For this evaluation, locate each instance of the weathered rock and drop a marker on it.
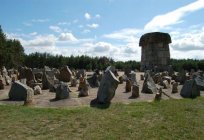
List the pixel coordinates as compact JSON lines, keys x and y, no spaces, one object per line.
{"x":158,"y":95}
{"x":149,"y":85}
{"x":23,"y":81}
{"x":8,"y":80}
{"x":181,"y":77}
{"x":82,"y":82}
{"x":157,"y":78}
{"x":128,"y":85}
{"x":120,"y":79}
{"x":135,"y":91}
{"x":84,"y":90}
{"x":20,"y":92}
{"x":1,"y":84}
{"x":174,"y":87}
{"x":190,"y":89}
{"x":141,"y":77}
{"x":127,"y":72}
{"x":74,"y":82}
{"x":111,"y":68}
{"x":62,"y":91}
{"x":165,"y":84}
{"x":80,"y":73}
{"x":168,"y":78}
{"x":107,"y":88}
{"x":65,"y":74}
{"x":199,"y":79}
{"x":93,"y":81}
{"x":38,"y":76}
{"x":37,"y":90}
{"x":26,"y":73}
{"x":48,"y":78}
{"x":170,"y":70}
{"x":4,"y":71}
{"x":133,"y":78}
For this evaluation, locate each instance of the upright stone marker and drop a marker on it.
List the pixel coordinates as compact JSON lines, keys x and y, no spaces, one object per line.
{"x":107,"y":88}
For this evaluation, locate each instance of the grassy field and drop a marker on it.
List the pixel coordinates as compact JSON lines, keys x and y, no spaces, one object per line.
{"x":170,"y":119}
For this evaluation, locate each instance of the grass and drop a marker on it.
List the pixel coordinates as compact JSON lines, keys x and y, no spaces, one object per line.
{"x":169,"y":119}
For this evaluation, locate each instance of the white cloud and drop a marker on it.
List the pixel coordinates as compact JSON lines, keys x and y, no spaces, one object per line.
{"x":33,"y":33}
{"x":55,"y":29}
{"x":98,"y":16}
{"x":27,"y":24}
{"x":64,"y":23}
{"x":86,"y":31}
{"x":87,"y":16}
{"x":40,"y":20}
{"x":173,"y":17}
{"x":67,"y":37}
{"x":93,"y":26}
{"x":40,"y":41}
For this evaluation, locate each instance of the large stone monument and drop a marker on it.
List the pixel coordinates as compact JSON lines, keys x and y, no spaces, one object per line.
{"x":155,"y":51}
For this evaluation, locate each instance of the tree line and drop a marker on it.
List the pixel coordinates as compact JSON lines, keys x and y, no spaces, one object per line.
{"x":12,"y":55}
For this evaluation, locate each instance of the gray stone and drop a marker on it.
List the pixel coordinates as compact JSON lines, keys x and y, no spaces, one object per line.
{"x":80,"y":73}
{"x":174,"y":87}
{"x":20,"y":92}
{"x":149,"y":85}
{"x":200,"y":82}
{"x":128,"y":85}
{"x":107,"y":88}
{"x":121,"y":79}
{"x":62,"y":91}
{"x":142,"y":77}
{"x":190,"y":89}
{"x":37,"y":90}
{"x":1,"y":84}
{"x":93,"y":81}
{"x":133,"y":78}
{"x":74,"y":82}
{"x":135,"y":91}
{"x":84,"y":90}
{"x":8,"y":80}
{"x":165,"y":84}
{"x":158,"y":95}
{"x":65,"y":74}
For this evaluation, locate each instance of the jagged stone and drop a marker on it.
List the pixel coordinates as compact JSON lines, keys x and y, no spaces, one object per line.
{"x":142,"y":77}
{"x":174,"y":87}
{"x":121,"y":79}
{"x":37,"y":90}
{"x":1,"y":84}
{"x":158,"y":95}
{"x":65,"y":74}
{"x":84,"y":90}
{"x":190,"y":89}
{"x":149,"y":85}
{"x":135,"y":91}
{"x":107,"y":88}
{"x":62,"y":91}
{"x":20,"y":92}
{"x":133,"y":78}
{"x":128,"y":85}
{"x":74,"y":82}
{"x":93,"y":81}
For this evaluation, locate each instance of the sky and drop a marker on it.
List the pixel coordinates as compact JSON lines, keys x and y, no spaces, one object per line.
{"x":110,"y":28}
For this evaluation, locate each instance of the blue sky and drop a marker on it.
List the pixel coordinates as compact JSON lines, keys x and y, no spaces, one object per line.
{"x":109,"y":28}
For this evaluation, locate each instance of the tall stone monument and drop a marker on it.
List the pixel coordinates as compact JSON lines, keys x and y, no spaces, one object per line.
{"x":155,"y":51}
